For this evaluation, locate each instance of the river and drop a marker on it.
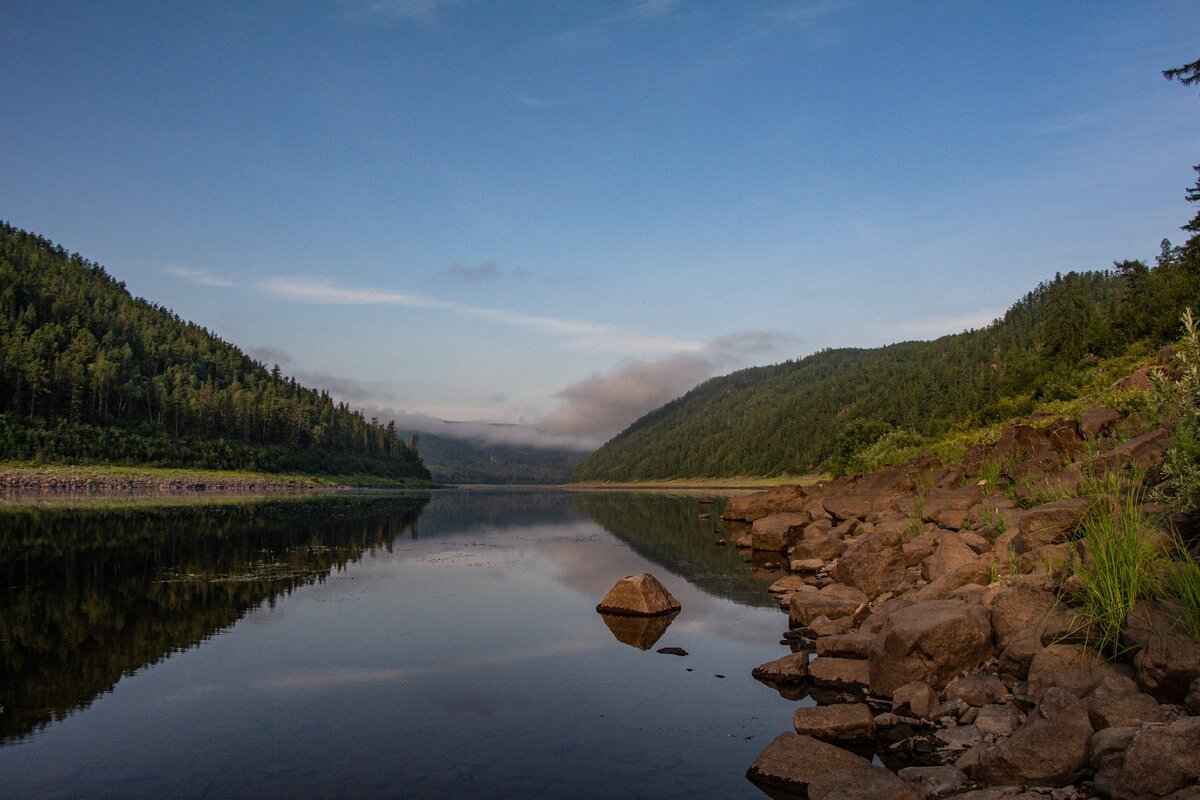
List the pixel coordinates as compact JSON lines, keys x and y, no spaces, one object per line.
{"x":442,"y":644}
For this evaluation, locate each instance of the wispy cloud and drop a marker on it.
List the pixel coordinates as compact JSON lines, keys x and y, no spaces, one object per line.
{"x":425,"y":11}
{"x":201,"y":277}
{"x":532,"y":102}
{"x":588,"y":335}
{"x":484,"y":272}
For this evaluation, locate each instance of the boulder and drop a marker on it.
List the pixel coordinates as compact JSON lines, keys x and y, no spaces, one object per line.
{"x":1159,"y":760}
{"x":934,"y":781}
{"x":951,"y":554}
{"x":638,"y":594}
{"x":1095,"y":422}
{"x":791,"y":669}
{"x":1130,"y":709}
{"x":823,"y":547}
{"x":1108,"y":746}
{"x":751,"y":507}
{"x":914,"y":699}
{"x":1049,"y":523}
{"x":1138,"y":380}
{"x":840,"y":722}
{"x":839,"y":673}
{"x":930,"y":642}
{"x":951,"y":508}
{"x":1192,"y":701}
{"x":1146,"y":451}
{"x":1019,"y":608}
{"x":1072,"y":667}
{"x":997,"y":720}
{"x":821,"y":771}
{"x":778,"y":532}
{"x":872,"y":564}
{"x":846,"y":645}
{"x":977,"y":571}
{"x":976,"y":690}
{"x":1167,"y":665}
{"x":1050,"y":749}
{"x":787,"y":584}
{"x":833,"y":601}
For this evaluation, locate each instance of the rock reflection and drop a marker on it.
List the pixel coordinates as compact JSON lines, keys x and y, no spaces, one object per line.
{"x":91,"y":594}
{"x":638,"y":631}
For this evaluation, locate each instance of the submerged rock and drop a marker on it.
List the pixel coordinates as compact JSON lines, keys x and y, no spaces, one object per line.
{"x":640,"y":595}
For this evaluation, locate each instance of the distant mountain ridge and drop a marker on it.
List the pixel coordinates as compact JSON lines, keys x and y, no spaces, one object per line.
{"x":466,"y":460}
{"x":794,"y":417}
{"x":91,"y":374}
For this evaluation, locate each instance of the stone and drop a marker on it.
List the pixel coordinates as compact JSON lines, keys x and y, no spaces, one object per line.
{"x":778,"y":532}
{"x":1166,"y":666}
{"x":1108,"y":746}
{"x":872,"y":564}
{"x":1146,"y":452}
{"x":1070,"y":666}
{"x":822,"y":771}
{"x":959,"y":737}
{"x":846,"y":645}
{"x":914,"y":699}
{"x":976,"y":690}
{"x":786,"y":584}
{"x":751,"y":507}
{"x":934,"y":781}
{"x":1050,"y":749}
{"x":839,"y":673}
{"x":930,"y":642}
{"x":918,"y":548}
{"x":841,"y":722}
{"x":950,"y":508}
{"x":823,"y":547}
{"x":997,"y":720}
{"x":1130,"y":709}
{"x":1049,"y":523}
{"x":978,"y":544}
{"x":1159,"y":760}
{"x":951,"y":553}
{"x":1138,"y":380}
{"x":790,"y":669}
{"x":638,"y":594}
{"x":834,"y":601}
{"x":824,"y":626}
{"x":807,"y":564}
{"x":1192,"y":701}
{"x":1094,"y":422}
{"x":1017,"y":656}
{"x":976,"y":570}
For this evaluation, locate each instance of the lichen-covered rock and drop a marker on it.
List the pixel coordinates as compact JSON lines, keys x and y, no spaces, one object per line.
{"x":1050,"y":749}
{"x":638,"y":594}
{"x":997,"y":720}
{"x":930,"y":642}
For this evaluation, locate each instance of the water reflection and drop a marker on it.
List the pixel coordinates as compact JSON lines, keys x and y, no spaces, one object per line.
{"x":93,"y":593}
{"x":668,"y":530}
{"x":639,"y":632}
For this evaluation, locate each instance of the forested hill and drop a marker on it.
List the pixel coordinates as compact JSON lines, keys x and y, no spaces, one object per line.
{"x":787,"y":418}
{"x":90,"y":374}
{"x":456,"y":460}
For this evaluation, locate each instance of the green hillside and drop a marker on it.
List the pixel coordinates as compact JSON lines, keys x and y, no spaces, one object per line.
{"x":794,"y":417}
{"x":90,"y":374}
{"x":455,"y":460}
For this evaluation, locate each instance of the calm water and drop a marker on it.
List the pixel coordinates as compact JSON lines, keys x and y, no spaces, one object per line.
{"x":442,"y":645}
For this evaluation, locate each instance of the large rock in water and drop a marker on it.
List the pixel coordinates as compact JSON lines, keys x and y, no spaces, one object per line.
{"x":640,"y":595}
{"x":930,"y":642}
{"x":823,"y":771}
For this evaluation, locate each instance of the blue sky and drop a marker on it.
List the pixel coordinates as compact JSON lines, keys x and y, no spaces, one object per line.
{"x":564,"y":214}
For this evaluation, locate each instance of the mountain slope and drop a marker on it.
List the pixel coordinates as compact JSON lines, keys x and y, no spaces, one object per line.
{"x":454,"y":460}
{"x":787,"y":418}
{"x":90,"y":374}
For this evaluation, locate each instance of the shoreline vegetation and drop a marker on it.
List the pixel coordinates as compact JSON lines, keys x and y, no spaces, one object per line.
{"x":24,"y":476}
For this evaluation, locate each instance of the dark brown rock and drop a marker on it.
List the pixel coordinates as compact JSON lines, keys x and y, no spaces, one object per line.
{"x":1049,"y":523}
{"x":750,"y":507}
{"x":1050,"y":749}
{"x":1019,"y":608}
{"x":934,"y":781}
{"x":1146,"y":451}
{"x":834,"y":601}
{"x":778,"y":532}
{"x":1131,"y":709}
{"x":791,"y":669}
{"x":951,"y":554}
{"x":997,"y":720}
{"x":638,"y":594}
{"x":1158,"y":761}
{"x":914,"y":699}
{"x":930,"y":642}
{"x":846,"y":645}
{"x":1068,"y":666}
{"x":821,"y":546}
{"x":841,"y":722}
{"x":1095,"y":422}
{"x":822,"y":771}
{"x":872,"y":564}
{"x":976,"y":690}
{"x":839,"y":673}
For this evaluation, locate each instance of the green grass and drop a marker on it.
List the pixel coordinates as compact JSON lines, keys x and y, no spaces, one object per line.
{"x":1183,"y":582}
{"x":102,"y":475}
{"x":1123,"y":566}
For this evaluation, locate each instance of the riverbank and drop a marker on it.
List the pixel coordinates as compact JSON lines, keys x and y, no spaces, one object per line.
{"x":749,"y":483}
{"x":1023,"y":623}
{"x":55,"y":477}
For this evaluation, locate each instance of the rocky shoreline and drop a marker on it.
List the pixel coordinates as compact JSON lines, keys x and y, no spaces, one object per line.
{"x":935,"y":620}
